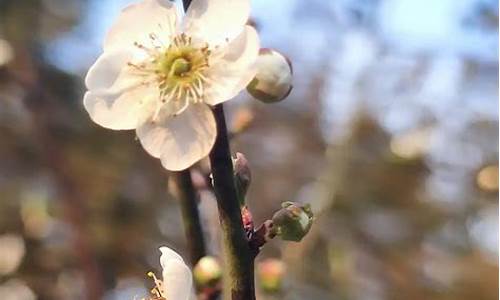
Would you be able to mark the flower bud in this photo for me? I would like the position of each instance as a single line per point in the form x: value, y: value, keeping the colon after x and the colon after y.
x: 207, y: 272
x: 293, y: 221
x: 273, y: 81
x: 247, y: 219
x: 271, y: 272
x: 242, y: 176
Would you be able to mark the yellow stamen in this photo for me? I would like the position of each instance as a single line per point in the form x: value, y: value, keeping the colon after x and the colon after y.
x: 179, y: 69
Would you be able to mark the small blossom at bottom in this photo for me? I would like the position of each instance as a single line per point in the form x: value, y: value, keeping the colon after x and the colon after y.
x: 176, y: 282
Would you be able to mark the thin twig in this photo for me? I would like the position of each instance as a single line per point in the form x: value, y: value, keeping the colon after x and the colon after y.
x: 188, y: 199
x: 261, y: 236
x: 186, y: 4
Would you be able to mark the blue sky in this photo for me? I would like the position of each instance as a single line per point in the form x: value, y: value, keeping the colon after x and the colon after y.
x: 409, y: 25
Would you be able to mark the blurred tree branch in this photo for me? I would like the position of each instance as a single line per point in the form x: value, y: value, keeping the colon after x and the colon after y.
x: 188, y: 198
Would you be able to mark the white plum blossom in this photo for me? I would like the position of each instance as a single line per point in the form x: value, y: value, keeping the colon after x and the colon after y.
x: 160, y: 72
x: 177, y: 280
x: 273, y: 81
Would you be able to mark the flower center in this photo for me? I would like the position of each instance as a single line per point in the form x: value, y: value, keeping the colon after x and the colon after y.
x: 179, y: 70
x: 181, y: 66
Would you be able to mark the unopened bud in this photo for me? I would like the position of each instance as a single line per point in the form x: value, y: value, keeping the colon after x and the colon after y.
x: 207, y: 272
x: 271, y: 272
x: 273, y: 81
x: 247, y: 219
x: 293, y: 221
x: 242, y: 175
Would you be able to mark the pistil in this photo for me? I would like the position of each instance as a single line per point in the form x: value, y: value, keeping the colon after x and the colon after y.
x: 180, y: 67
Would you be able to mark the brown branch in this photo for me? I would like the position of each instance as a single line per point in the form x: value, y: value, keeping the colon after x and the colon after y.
x: 261, y: 236
x: 237, y: 252
x: 186, y: 4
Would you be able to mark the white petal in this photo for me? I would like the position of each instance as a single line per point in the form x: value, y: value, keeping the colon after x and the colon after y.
x: 110, y: 73
x: 120, y: 111
x: 180, y: 140
x: 236, y: 68
x: 216, y: 21
x: 168, y: 254
x: 137, y: 21
x: 177, y: 280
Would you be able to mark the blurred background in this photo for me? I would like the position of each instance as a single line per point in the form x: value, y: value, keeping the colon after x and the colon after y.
x: 391, y: 133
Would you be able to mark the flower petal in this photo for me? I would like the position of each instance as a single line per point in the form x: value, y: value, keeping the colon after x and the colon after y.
x: 180, y: 140
x: 137, y: 21
x: 177, y: 280
x: 110, y: 73
x: 236, y: 68
x: 216, y: 21
x: 168, y: 254
x: 120, y: 111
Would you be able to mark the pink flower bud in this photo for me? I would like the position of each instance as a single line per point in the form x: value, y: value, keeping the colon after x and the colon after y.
x: 271, y: 272
x: 207, y: 271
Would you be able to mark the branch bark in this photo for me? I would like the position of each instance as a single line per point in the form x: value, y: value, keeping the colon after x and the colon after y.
x: 261, y: 236
x: 238, y: 256
x: 237, y: 252
x: 186, y: 4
